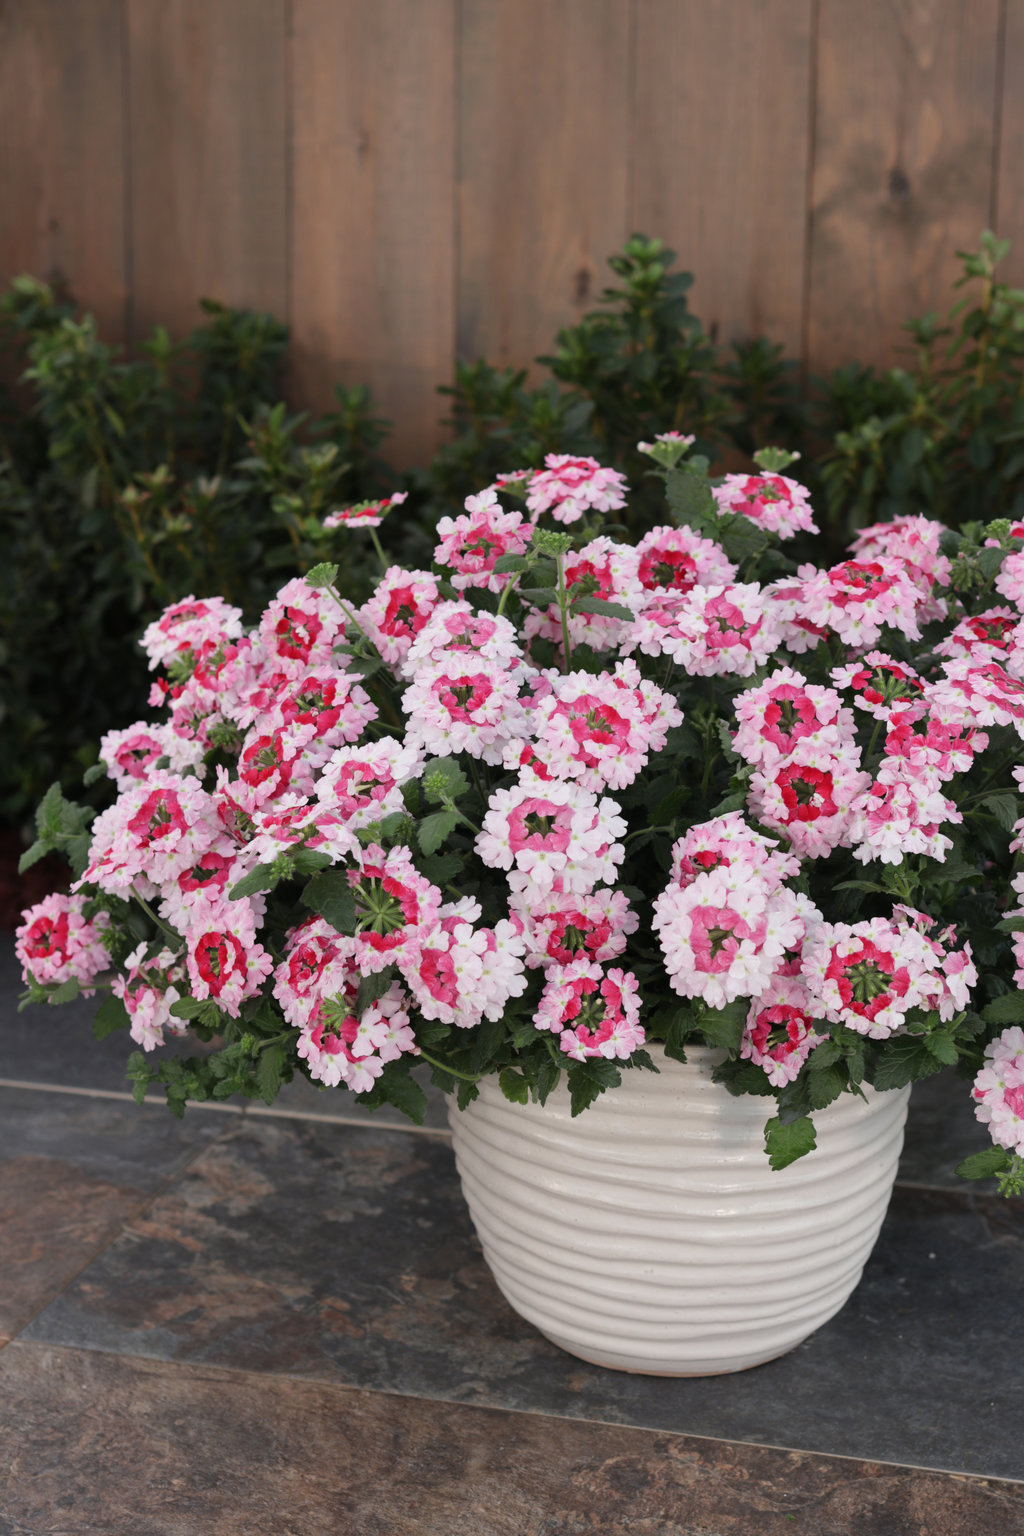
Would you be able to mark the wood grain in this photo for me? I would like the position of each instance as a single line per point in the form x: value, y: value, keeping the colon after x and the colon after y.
x: 906, y: 98
x: 721, y: 147
x: 208, y: 158
x: 61, y: 150
x: 1008, y: 214
x: 544, y: 107
x: 372, y: 260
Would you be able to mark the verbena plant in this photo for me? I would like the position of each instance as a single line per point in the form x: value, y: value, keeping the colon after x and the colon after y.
x: 564, y: 794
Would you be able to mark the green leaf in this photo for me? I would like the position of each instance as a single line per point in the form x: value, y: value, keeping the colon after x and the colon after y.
x: 724, y: 1026
x: 66, y: 992
x: 439, y: 868
x: 373, y: 987
x: 1008, y: 1009
x: 308, y: 860
x: 1005, y: 809
x: 109, y: 1017
x: 32, y: 855
x: 263, y: 878
x: 48, y: 813
x: 331, y: 896
x: 269, y: 1066
x: 446, y: 779
x: 824, y: 1086
x: 984, y: 1165
x: 94, y: 774
x: 514, y: 1086
x: 505, y: 565
x: 785, y: 1143
x: 824, y: 1055
x: 904, y: 1060
x: 690, y: 497
x: 323, y: 575
x: 943, y: 1048
x: 541, y: 597
x: 432, y: 831
x: 405, y: 1093
x: 602, y: 606
x: 187, y: 1008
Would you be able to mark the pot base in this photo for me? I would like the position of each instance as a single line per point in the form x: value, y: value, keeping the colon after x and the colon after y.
x: 610, y: 1362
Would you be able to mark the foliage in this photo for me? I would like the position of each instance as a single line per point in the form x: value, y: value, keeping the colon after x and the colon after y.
x: 945, y: 435
x: 127, y: 484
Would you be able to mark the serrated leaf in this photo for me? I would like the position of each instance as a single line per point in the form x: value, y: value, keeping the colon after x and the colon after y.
x: 1008, y: 1009
x: 432, y: 831
x: 269, y: 1065
x: 405, y: 1093
x: 514, y: 1086
x: 439, y: 868
x: 32, y: 855
x: 263, y: 878
x: 601, y: 605
x: 785, y: 1143
x: 1005, y: 809
x: 322, y: 575
x: 824, y: 1055
x: 330, y: 895
x: 66, y: 992
x: 455, y: 781
x: 48, y: 812
x: 825, y: 1086
x: 984, y: 1165
x: 691, y: 498
x: 943, y: 1048
x: 109, y: 1017
x: 540, y: 597
x: 904, y: 1060
x: 724, y: 1026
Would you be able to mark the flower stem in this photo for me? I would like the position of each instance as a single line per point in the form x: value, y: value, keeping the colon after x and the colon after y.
x: 465, y: 1077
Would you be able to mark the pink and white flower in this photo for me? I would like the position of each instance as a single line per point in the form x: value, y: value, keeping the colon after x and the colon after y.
x: 594, y: 1012
x: 776, y: 503
x: 471, y: 545
x: 567, y: 487
x: 779, y: 1034
x: 998, y: 1090
x: 56, y: 942
x: 365, y: 514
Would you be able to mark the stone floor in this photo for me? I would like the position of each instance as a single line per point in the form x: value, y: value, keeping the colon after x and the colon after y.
x: 278, y: 1321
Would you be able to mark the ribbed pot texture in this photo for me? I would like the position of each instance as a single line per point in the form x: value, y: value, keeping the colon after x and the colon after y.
x: 650, y: 1234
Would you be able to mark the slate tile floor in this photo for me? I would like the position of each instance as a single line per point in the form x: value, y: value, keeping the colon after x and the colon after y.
x: 279, y: 1321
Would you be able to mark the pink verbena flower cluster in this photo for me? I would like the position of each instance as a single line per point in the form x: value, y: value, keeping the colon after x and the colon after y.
x: 495, y: 819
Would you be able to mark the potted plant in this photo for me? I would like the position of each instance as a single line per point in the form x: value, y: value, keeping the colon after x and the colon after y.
x: 593, y: 806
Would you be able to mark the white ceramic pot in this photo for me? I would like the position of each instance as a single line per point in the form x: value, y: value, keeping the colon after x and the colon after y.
x: 650, y: 1234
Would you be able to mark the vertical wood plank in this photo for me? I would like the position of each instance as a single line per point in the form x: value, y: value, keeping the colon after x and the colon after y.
x: 906, y: 97
x: 61, y: 150
x: 208, y: 158
x: 1008, y: 213
x: 721, y: 146
x: 543, y: 187
x: 372, y: 240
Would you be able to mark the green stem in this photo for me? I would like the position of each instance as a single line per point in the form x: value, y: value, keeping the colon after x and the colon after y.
x: 377, y: 546
x: 465, y: 1077
x: 563, y: 608
x: 286, y: 1034
x: 506, y: 593
x: 144, y: 904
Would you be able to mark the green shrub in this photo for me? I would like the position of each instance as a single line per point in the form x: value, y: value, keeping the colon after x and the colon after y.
x: 125, y: 485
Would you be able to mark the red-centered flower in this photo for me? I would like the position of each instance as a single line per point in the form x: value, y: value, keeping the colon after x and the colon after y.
x: 806, y: 792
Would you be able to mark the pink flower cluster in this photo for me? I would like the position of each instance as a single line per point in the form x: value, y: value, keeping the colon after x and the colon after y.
x: 999, y: 1090
x: 780, y: 505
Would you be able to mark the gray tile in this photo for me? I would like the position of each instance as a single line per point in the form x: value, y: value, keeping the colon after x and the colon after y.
x: 72, y: 1170
x: 347, y: 1255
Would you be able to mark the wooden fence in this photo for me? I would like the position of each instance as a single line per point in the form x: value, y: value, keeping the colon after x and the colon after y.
x: 405, y: 181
